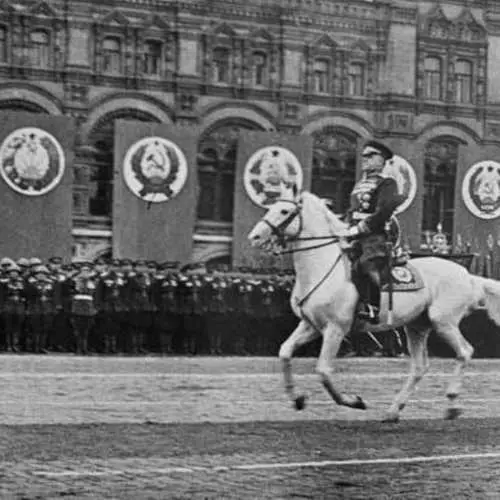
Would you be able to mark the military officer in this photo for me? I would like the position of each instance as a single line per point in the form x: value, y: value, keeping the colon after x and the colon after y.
x: 24, y: 266
x: 41, y: 305
x: 83, y: 310
x: 373, y: 202
x: 61, y: 330
x: 14, y: 308
x: 126, y: 273
x: 141, y: 306
x: 110, y: 306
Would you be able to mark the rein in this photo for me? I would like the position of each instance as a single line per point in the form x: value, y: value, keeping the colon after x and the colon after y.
x: 278, y: 232
x: 333, y: 239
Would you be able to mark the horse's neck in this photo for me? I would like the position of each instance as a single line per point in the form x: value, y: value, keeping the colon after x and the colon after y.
x: 312, y: 265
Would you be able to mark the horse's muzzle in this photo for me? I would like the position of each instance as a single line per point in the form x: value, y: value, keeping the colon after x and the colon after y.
x: 259, y: 235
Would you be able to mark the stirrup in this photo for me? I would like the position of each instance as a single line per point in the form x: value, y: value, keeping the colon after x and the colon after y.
x: 370, y: 313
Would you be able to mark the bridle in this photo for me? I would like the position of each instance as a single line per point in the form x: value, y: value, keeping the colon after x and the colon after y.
x: 278, y: 231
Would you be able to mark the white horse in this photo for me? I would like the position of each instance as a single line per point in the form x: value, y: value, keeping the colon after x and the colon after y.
x: 325, y: 299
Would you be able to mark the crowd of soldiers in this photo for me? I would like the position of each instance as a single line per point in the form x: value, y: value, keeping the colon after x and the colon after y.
x: 121, y: 306
x: 135, y: 307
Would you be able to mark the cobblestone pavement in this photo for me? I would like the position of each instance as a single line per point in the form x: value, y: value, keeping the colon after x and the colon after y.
x: 210, y: 428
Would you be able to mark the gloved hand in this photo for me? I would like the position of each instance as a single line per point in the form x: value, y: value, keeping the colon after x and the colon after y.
x: 350, y: 232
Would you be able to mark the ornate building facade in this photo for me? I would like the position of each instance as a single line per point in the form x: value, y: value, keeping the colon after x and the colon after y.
x: 422, y: 76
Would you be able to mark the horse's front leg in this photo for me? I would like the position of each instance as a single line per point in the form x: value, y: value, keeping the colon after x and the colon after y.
x: 332, y: 338
x: 419, y: 364
x: 303, y: 334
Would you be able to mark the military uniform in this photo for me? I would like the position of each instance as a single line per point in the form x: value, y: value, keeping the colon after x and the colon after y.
x: 61, y: 326
x: 167, y: 317
x: 373, y: 202
x: 42, y: 301
x: 83, y: 309
x: 191, y: 309
x: 217, y: 315
x: 110, y: 308
x: 243, y: 313
x: 14, y: 308
x: 140, y: 285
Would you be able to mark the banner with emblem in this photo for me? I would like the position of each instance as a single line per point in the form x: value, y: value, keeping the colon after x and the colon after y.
x: 267, y: 163
x: 36, y: 156
x: 155, y: 191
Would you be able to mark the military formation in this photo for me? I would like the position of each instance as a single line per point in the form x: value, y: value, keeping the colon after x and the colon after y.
x: 121, y: 306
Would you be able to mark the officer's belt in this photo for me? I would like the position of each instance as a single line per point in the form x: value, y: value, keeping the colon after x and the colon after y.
x: 80, y: 296
x: 360, y: 215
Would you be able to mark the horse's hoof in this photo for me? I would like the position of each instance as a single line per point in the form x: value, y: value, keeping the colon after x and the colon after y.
x: 452, y: 413
x: 391, y: 419
x: 359, y: 404
x: 300, y: 402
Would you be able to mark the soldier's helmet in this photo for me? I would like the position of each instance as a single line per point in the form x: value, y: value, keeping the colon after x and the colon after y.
x: 85, y: 266
x: 23, y: 262
x: 41, y: 270
x: 6, y: 262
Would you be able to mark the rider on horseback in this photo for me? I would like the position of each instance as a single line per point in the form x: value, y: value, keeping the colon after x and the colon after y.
x: 373, y: 202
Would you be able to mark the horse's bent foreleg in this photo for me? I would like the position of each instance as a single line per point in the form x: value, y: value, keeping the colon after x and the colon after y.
x: 303, y: 334
x: 450, y: 332
x: 419, y: 364
x: 332, y: 338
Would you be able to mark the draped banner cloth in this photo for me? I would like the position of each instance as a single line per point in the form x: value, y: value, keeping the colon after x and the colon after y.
x: 36, y: 200
x: 155, y: 191
x: 267, y: 162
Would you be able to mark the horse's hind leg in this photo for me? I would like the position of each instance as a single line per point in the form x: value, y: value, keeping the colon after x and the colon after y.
x: 450, y: 332
x: 303, y: 334
x: 419, y: 364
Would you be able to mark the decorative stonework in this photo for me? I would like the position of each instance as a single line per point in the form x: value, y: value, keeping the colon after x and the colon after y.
x: 398, y: 122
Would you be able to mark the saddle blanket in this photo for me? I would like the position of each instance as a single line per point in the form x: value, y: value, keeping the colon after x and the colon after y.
x: 404, y: 279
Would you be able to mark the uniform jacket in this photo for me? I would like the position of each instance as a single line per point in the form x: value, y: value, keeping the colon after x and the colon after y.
x: 109, y: 296
x: 42, y: 296
x: 14, y: 296
x: 373, y: 202
x: 83, y: 295
x: 140, y: 292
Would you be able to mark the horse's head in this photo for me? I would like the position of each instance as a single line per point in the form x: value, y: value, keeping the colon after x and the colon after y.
x: 282, y: 221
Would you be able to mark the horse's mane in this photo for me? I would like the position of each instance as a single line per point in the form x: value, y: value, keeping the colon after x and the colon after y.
x: 318, y: 205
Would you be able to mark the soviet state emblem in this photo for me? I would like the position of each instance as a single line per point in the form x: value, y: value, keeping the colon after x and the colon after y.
x: 269, y: 172
x: 481, y: 189
x: 155, y: 169
x: 406, y: 179
x: 32, y: 161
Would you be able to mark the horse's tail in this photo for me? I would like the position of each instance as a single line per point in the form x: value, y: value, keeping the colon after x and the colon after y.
x: 487, y: 296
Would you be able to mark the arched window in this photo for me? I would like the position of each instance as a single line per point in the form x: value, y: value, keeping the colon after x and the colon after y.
x: 152, y: 58
x: 356, y: 79
x: 216, y: 171
x: 334, y: 167
x: 3, y: 44
x: 221, y: 65
x: 111, y: 55
x: 101, y: 163
x: 433, y: 78
x: 40, y: 49
x: 260, y: 71
x: 321, y: 75
x: 463, y: 73
x: 440, y: 171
